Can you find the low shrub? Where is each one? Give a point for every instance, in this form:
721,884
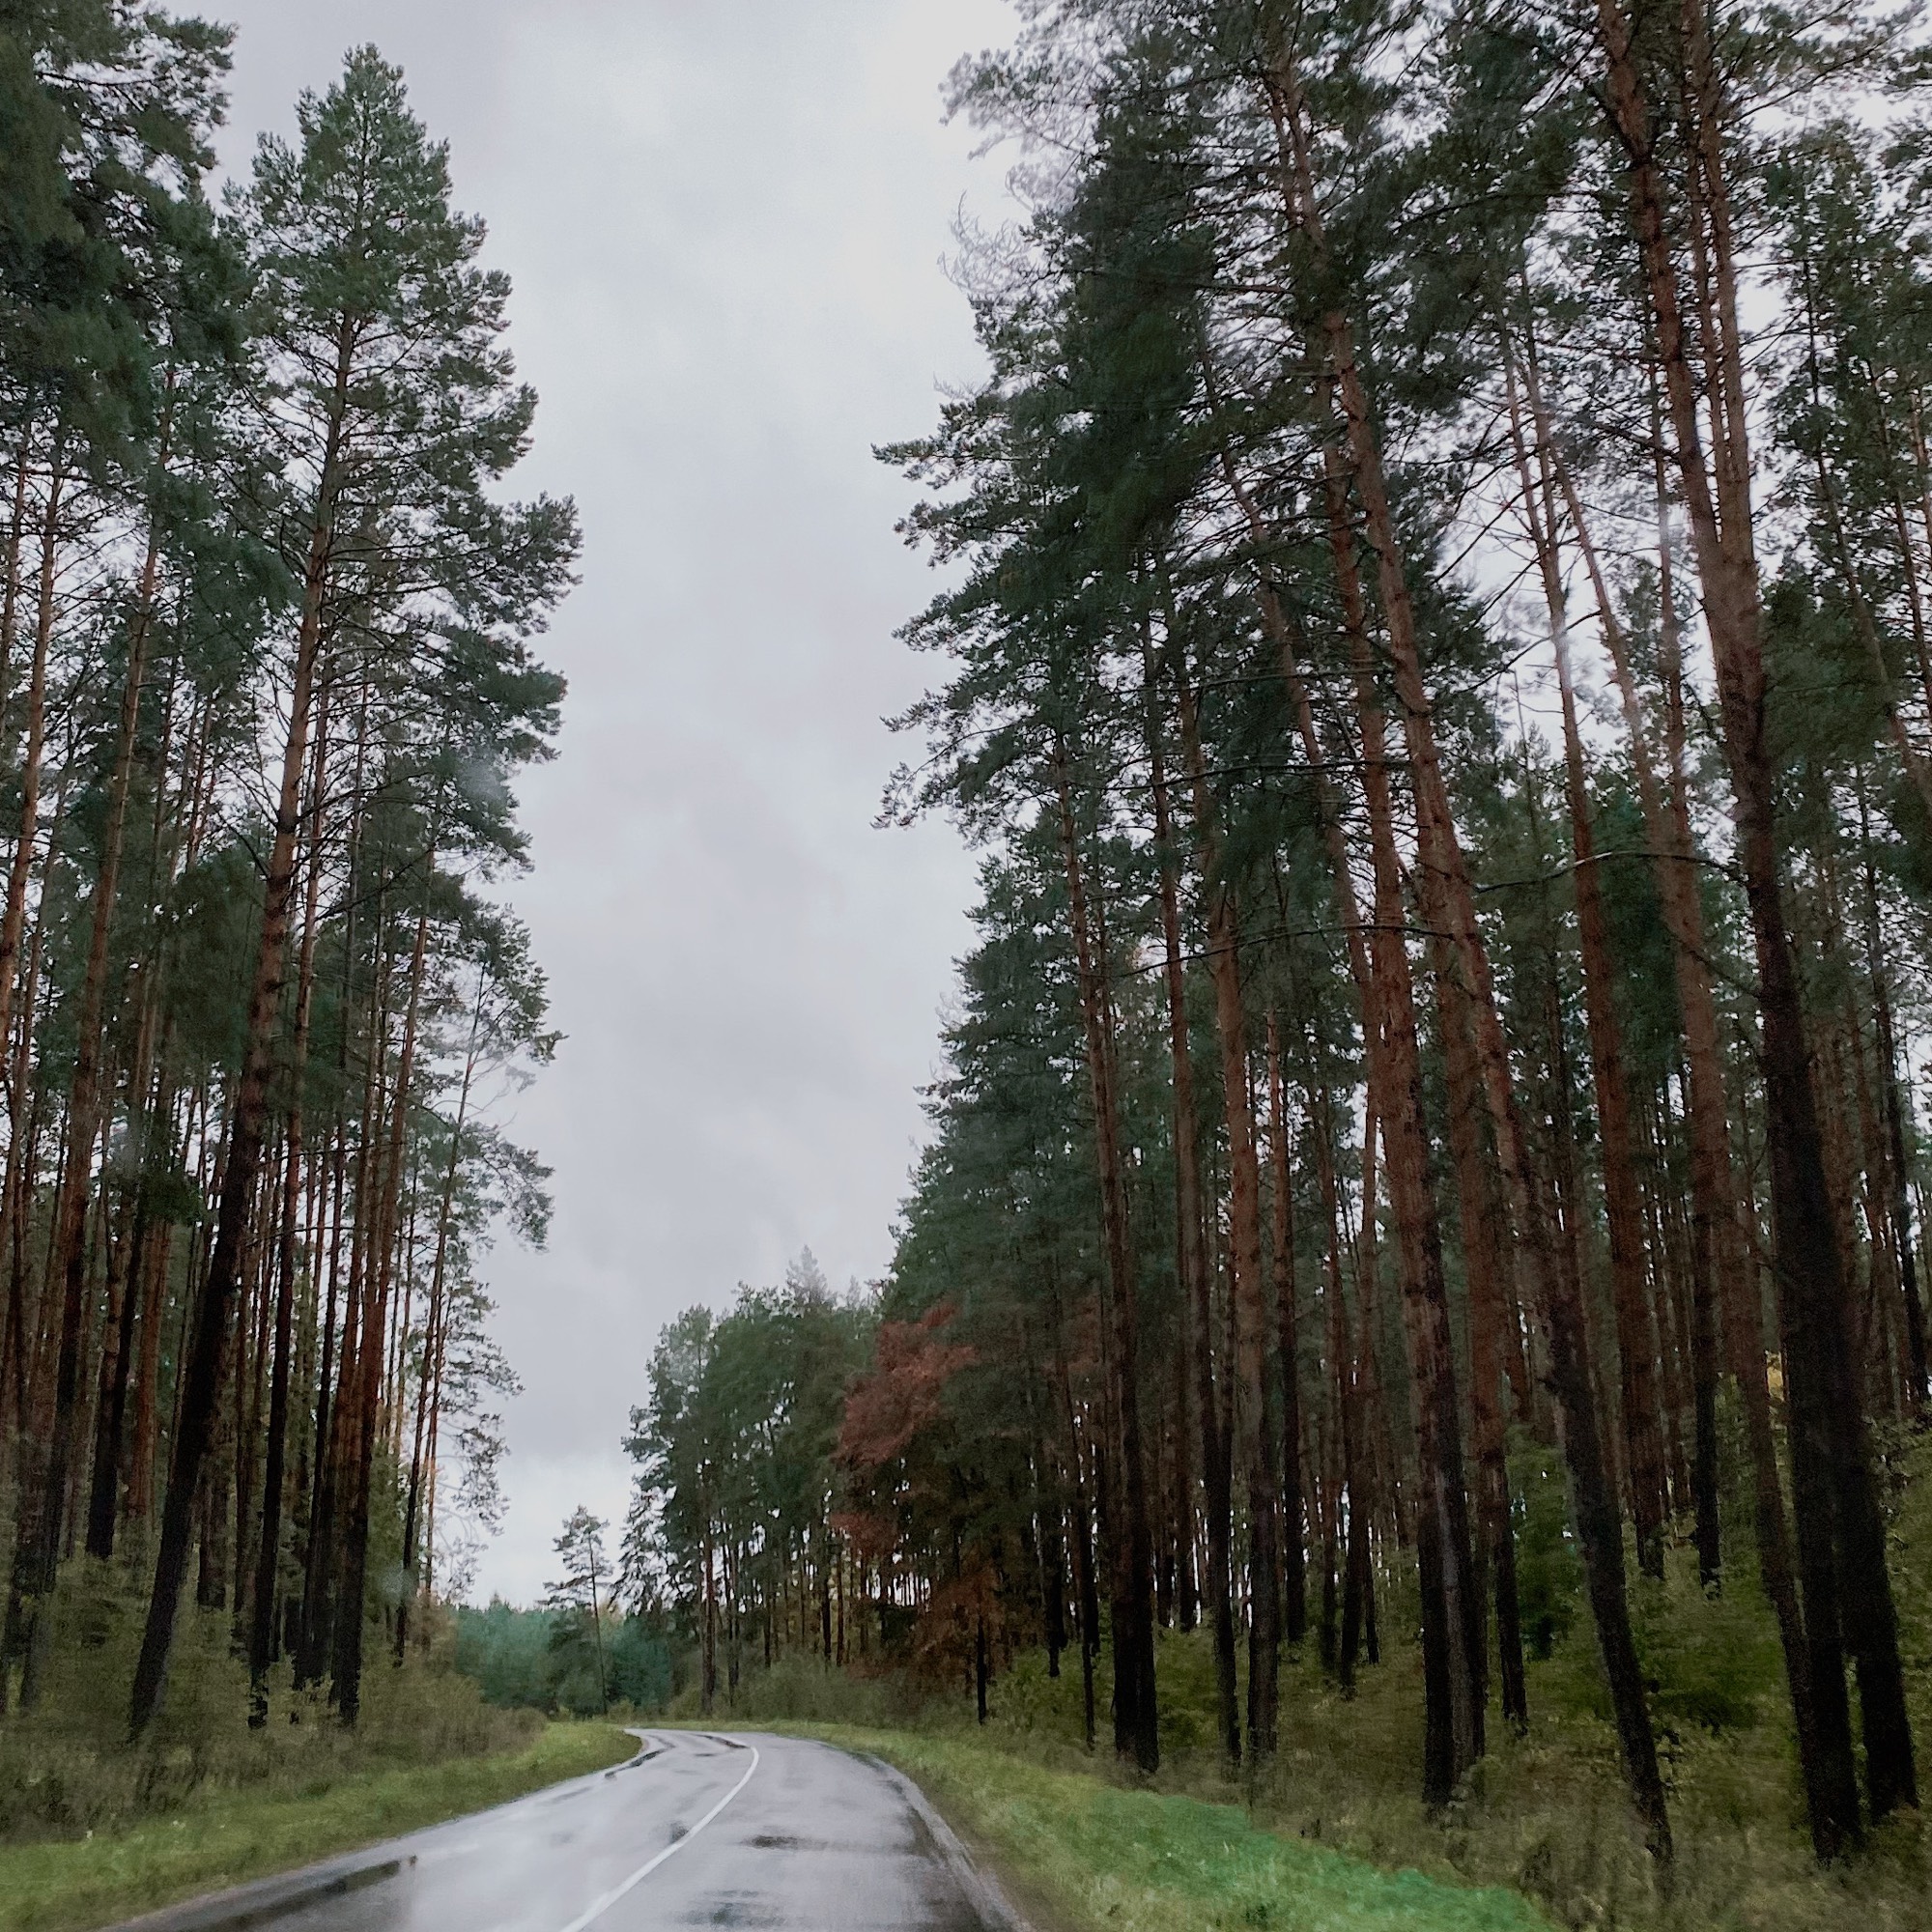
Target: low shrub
67,1768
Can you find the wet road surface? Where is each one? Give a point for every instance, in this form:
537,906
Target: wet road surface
754,1832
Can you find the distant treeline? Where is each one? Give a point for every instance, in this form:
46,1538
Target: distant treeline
547,1660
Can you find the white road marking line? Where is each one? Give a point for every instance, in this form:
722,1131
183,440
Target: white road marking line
600,1906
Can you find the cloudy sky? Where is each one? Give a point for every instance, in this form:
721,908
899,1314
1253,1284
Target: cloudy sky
724,220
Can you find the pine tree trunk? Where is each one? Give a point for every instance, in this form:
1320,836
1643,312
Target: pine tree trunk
69,1260
1085,1583
111,1411
201,1374
434,1340
148,1097
347,1682
1895,1170
1249,1386
1714,1229
43,1471
312,1642
1453,1646
1844,1574
1294,1584
140,1505
12,922
268,1569
10,571
1485,1265
1135,1715
1379,1482
1636,1343
335,1377
1187,1541
1216,1483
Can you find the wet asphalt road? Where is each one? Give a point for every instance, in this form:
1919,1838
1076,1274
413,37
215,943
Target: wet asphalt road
750,1831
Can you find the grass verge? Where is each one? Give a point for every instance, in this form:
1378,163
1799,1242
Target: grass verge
235,1836
1085,1855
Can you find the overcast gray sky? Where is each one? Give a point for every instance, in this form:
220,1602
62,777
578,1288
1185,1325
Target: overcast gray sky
724,220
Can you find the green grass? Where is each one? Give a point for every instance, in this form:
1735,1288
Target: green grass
235,1835
1086,1853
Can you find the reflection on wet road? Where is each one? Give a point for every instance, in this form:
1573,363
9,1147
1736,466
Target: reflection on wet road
750,1831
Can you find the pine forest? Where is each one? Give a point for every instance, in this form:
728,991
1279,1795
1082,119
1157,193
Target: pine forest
267,669
1410,1316
1427,1169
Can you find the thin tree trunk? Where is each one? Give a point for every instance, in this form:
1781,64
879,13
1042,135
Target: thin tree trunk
1085,1583
37,1547
1356,1372
1453,1647
13,923
347,1681
1249,1387
1483,1221
1895,1172
434,1337
69,1260
1294,1584
1135,1713
1196,1280
262,1635
1636,1345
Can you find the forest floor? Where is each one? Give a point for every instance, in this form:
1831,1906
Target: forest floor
226,1836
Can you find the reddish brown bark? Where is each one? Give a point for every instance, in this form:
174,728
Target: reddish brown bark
1638,1343
1215,1435
1844,1573
70,1257
1249,1394
263,1628
1136,1720
1447,901
201,1368
1452,1636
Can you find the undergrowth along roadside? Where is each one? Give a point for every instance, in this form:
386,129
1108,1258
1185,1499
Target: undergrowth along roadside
233,1836
1544,1817
67,1767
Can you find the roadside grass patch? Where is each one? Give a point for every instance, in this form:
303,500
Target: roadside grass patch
227,1837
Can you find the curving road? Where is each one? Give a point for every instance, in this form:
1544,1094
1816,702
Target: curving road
775,1834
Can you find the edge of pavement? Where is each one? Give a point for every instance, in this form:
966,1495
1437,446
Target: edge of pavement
262,1901
975,1880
